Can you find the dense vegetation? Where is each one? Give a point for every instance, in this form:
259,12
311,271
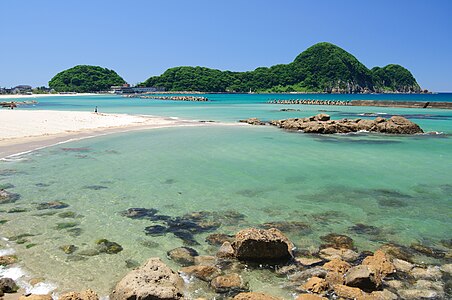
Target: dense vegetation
84,79
323,67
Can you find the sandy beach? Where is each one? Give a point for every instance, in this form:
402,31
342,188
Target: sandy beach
23,131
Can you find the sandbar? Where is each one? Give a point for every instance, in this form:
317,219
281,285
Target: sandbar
27,130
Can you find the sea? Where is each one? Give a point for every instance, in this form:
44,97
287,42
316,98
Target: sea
374,188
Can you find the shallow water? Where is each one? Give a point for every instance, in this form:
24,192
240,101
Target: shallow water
242,177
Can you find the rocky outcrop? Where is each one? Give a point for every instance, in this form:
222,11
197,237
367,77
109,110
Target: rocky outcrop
7,260
321,123
7,285
262,245
154,280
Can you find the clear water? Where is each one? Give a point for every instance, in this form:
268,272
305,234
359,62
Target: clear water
401,185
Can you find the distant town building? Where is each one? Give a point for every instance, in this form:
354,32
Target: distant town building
22,89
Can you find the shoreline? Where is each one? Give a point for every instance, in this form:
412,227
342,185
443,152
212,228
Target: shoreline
42,129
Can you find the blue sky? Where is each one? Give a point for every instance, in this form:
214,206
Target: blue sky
139,38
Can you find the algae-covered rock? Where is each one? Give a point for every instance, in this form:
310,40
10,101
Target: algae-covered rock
68,249
66,225
51,205
105,246
8,197
206,273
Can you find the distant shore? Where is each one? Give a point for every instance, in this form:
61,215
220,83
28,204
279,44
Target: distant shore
20,96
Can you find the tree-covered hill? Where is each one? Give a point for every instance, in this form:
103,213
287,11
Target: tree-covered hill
323,67
83,79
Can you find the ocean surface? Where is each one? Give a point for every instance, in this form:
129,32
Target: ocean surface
374,188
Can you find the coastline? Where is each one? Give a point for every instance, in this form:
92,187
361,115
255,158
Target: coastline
41,129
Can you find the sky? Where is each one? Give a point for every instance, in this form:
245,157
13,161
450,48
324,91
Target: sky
139,38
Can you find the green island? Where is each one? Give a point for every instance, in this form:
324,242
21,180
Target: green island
324,68
83,79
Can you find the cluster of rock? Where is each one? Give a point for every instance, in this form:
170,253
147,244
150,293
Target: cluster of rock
336,271
322,123
309,102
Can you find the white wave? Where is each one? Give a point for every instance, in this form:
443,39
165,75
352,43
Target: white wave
8,251
42,288
14,273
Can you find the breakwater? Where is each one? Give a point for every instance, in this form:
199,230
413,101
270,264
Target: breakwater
405,104
378,103
309,102
171,98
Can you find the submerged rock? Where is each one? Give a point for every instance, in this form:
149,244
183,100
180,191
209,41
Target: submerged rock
8,197
428,251
139,213
261,245
231,284
252,121
105,246
153,280
52,205
365,229
226,251
184,256
66,225
217,239
288,226
337,241
68,249
205,273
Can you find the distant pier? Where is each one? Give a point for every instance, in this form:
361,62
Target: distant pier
378,103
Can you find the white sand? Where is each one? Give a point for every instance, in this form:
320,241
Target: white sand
28,123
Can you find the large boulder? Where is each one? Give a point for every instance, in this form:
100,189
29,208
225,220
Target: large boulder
398,125
152,281
261,245
380,263
362,277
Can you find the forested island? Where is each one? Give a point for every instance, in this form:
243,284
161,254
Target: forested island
324,68
84,79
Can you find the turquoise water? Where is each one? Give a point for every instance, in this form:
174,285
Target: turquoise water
242,177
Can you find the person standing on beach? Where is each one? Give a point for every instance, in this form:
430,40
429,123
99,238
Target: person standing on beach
95,110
